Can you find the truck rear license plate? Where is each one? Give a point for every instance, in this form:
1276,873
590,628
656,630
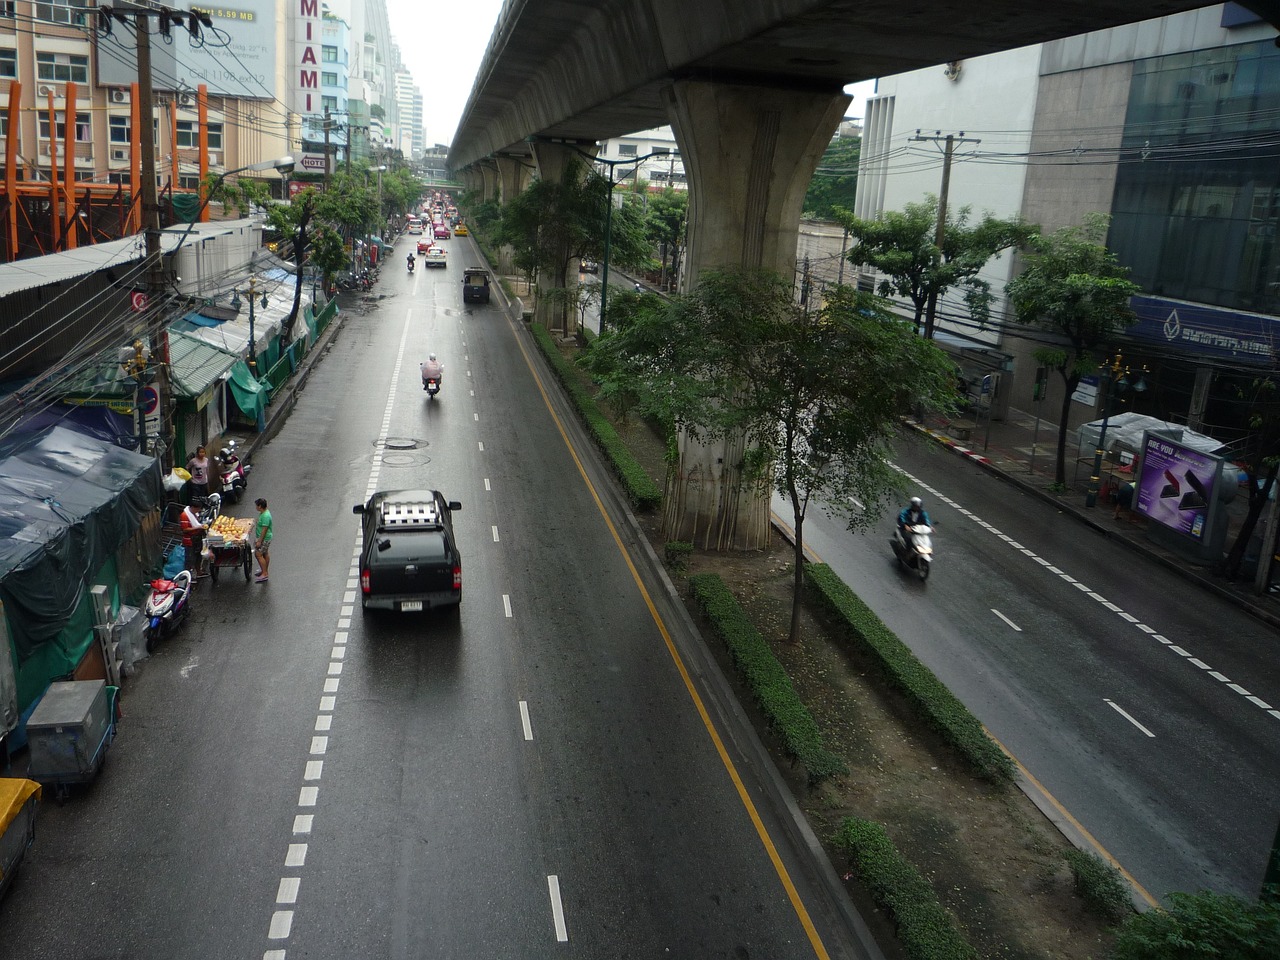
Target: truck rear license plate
410,606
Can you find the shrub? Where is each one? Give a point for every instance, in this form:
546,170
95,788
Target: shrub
925,929
938,705
641,490
677,554
1199,925
768,681
1099,883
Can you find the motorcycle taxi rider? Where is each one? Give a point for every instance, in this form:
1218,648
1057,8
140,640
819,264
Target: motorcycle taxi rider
911,515
433,369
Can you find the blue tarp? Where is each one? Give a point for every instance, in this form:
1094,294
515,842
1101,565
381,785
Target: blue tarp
199,320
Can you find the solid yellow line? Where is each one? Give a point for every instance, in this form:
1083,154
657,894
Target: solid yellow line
792,894
1066,814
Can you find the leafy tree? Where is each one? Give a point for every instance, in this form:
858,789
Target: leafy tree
665,226
1073,286
901,246
816,396
1261,397
835,182
401,190
1201,925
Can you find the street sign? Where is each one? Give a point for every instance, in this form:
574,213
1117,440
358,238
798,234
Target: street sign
149,400
138,300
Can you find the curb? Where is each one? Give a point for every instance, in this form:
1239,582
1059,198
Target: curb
1254,610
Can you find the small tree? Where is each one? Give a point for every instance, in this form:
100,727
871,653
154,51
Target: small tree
817,397
901,246
1074,287
1261,397
664,226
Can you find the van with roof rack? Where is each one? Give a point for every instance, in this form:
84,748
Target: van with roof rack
409,557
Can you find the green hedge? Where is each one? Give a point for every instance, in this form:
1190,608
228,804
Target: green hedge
1099,884
925,929
767,680
938,705
642,491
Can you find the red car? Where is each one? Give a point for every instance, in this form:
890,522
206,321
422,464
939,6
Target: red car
424,245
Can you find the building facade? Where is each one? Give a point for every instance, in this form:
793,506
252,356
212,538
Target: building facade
1168,127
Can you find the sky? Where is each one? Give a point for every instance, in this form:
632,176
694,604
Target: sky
442,44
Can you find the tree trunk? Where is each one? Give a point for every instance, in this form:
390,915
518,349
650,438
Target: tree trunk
797,588
1257,500
1064,418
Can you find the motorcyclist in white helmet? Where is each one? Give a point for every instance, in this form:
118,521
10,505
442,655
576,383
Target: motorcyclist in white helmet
912,514
432,369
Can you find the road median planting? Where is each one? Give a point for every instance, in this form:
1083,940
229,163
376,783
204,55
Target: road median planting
936,704
767,680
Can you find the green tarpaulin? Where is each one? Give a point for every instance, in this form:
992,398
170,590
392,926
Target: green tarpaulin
250,396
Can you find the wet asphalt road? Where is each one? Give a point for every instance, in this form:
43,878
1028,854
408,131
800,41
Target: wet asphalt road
553,772
1147,707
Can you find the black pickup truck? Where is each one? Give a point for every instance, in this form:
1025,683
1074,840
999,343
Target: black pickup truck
409,559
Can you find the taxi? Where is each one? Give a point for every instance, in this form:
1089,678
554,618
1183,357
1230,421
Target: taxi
461,230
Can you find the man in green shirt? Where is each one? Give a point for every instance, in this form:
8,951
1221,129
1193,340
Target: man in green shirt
262,534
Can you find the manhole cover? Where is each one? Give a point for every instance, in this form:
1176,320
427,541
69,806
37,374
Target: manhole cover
398,460
401,443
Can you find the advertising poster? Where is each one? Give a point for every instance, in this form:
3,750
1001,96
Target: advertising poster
1176,485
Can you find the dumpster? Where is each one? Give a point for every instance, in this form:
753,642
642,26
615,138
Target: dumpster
69,732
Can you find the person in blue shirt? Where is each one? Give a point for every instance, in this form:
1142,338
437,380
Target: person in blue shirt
912,514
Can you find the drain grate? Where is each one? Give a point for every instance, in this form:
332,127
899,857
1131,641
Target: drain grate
401,443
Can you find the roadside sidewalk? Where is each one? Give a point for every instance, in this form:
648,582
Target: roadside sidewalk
1004,448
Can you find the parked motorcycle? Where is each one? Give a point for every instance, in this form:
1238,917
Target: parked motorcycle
167,607
432,386
917,553
234,471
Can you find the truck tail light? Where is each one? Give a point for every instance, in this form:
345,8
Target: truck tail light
457,578
364,581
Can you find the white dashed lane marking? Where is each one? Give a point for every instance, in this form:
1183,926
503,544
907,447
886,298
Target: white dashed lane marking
1119,710
1101,600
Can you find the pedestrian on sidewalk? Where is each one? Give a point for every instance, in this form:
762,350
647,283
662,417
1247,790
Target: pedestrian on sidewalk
198,467
262,534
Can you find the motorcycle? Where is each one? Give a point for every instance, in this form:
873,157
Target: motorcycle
917,554
167,607
411,263
432,386
234,471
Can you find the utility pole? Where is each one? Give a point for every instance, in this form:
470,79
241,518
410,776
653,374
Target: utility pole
948,151
327,126
151,227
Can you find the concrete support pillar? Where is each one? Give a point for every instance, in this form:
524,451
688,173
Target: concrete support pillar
512,178
749,153
554,162
471,180
489,179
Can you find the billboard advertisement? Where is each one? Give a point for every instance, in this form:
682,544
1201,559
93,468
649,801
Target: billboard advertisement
236,57
1176,485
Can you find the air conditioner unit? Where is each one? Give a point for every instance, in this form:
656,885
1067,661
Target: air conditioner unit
119,153
184,99
44,90
119,96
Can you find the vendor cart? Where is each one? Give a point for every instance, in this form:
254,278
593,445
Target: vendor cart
227,545
18,801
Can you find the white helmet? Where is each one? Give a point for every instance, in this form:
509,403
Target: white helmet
431,356
917,503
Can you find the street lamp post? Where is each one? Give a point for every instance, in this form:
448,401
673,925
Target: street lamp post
608,221
253,340
1107,382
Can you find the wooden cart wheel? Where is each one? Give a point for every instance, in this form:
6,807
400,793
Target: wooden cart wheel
248,562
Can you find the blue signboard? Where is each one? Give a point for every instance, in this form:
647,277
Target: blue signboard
1205,331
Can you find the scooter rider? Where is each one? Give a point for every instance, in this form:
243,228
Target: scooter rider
411,262
433,369
911,515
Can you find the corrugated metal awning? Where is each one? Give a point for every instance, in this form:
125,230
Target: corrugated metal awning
195,365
